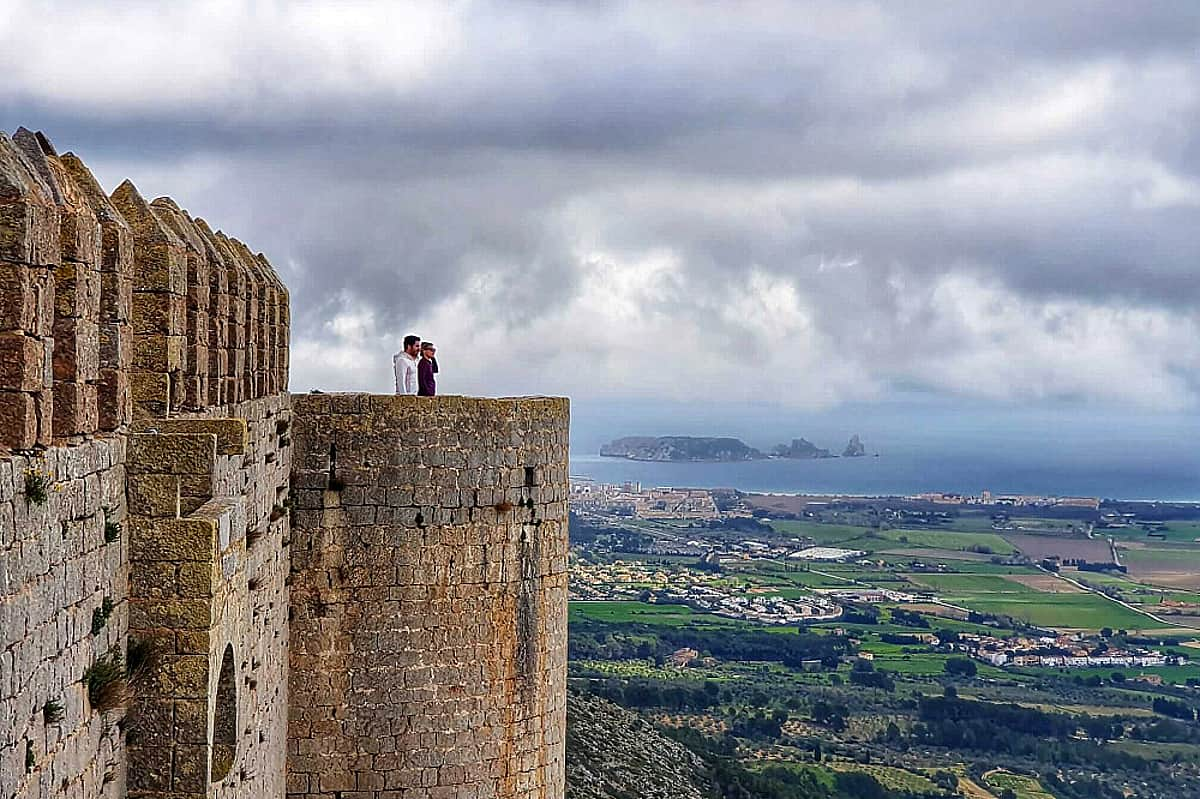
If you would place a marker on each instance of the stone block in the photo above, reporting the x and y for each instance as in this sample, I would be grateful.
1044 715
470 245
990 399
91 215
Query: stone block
76 350
150 392
232 434
18 299
153 580
18 420
191 769
195 642
153 494
76 290
191 722
116 296
113 398
160 267
172 539
79 234
174 614
29 232
22 362
155 353
150 769
159 313
76 411
115 343
43 289
196 580
172 453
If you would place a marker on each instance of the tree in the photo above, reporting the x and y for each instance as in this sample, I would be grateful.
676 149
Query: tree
960 667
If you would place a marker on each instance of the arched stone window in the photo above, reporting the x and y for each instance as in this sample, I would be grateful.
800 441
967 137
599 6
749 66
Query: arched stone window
224 748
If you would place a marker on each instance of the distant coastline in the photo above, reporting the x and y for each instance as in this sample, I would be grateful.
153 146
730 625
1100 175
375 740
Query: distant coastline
907 473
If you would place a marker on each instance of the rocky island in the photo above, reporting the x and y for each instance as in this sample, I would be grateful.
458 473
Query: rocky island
680 448
696 449
801 448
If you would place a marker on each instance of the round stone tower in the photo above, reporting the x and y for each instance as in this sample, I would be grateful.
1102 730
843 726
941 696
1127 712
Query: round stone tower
428 597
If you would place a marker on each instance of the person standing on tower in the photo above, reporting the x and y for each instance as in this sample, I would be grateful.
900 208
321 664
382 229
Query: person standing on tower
405 365
426 369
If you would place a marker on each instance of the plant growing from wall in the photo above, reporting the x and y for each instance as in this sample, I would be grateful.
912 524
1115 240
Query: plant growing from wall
52 711
101 614
112 527
141 660
37 485
30 760
107 682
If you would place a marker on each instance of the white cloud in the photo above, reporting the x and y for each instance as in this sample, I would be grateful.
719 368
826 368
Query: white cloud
811 202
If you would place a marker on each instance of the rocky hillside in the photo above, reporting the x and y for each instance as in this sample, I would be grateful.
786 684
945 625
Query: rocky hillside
614 754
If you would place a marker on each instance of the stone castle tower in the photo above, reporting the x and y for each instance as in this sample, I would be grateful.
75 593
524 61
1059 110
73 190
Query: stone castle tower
210 588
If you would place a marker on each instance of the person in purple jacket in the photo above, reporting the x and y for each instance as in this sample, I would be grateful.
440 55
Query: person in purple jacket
426 369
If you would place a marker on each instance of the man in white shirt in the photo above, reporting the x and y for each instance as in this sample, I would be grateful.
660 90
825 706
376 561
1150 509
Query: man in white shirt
405 365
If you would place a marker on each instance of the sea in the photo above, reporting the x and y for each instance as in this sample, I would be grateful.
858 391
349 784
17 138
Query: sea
1150 457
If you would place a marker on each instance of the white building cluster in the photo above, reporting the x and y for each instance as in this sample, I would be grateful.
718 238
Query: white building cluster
1063 651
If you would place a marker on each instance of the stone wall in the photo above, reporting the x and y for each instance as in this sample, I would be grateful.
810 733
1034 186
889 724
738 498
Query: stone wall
150 645
63 607
429 598
144 464
209 530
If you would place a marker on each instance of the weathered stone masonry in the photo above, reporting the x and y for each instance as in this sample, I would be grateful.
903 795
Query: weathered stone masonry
135 471
147 499
429 603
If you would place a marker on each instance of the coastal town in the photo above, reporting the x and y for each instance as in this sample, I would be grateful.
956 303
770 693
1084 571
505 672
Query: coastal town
665 502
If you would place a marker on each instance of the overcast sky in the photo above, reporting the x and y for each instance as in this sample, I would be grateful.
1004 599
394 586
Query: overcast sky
817 203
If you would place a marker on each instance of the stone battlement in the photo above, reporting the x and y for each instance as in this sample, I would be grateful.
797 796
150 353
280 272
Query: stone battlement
115 308
210 588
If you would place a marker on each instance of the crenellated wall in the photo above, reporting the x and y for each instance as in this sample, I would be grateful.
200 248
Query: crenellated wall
144 465
165 633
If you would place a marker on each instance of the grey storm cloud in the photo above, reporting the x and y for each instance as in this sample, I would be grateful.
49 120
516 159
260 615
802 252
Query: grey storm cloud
981 199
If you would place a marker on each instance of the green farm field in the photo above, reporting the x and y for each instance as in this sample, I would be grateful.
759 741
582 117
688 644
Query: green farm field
823 534
997 595
1023 787
1180 554
1175 531
641 612
951 540
633 612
